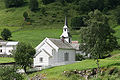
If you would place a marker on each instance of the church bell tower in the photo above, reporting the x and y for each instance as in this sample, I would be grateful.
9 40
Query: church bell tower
66 34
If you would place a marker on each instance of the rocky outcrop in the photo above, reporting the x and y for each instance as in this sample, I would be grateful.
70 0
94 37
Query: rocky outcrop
85 73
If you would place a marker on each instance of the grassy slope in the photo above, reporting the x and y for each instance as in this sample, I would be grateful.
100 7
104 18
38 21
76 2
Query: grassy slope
13 19
35 36
56 72
6 60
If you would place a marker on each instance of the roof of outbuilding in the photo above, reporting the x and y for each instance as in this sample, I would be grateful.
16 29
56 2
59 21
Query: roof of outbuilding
59 43
12 43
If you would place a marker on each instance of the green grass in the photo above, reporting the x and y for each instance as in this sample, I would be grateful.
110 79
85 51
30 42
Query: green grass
56 72
6 60
35 36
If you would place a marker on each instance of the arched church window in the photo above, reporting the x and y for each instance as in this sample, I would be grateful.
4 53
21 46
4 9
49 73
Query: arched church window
65 29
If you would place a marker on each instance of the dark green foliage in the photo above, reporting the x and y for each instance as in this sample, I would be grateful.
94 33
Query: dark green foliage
79 57
98 36
117 15
43 11
13 3
9 73
25 15
91 5
6 34
24 55
33 5
47 1
77 22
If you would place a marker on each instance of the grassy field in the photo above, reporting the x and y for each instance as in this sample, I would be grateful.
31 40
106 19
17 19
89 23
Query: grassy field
6 60
35 35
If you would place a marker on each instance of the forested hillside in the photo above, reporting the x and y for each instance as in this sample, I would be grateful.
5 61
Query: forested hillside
51 13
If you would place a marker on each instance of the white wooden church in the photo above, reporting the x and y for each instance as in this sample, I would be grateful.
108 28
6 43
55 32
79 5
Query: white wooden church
55 52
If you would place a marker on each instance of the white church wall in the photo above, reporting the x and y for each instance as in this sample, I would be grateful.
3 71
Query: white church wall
45 61
61 55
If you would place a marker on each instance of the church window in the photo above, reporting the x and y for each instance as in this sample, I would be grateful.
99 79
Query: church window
1 50
66 56
41 59
65 29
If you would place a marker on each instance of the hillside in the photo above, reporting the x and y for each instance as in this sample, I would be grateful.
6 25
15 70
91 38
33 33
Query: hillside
55 73
48 21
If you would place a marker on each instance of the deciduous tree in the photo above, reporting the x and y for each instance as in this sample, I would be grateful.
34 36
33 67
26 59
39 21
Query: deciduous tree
97 37
24 55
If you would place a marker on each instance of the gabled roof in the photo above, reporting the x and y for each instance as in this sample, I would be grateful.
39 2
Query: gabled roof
60 44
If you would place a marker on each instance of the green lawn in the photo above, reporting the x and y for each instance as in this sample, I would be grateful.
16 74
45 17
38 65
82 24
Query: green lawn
6 60
56 72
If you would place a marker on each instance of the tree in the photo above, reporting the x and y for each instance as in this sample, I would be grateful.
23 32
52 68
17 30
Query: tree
9 73
77 22
47 1
33 5
25 15
24 55
97 37
13 3
6 34
117 14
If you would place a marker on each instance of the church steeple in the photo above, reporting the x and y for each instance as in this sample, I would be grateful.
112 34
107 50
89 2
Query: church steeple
66 33
65 21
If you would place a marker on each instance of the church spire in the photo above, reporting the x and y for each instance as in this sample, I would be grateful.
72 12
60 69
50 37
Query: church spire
66 33
66 21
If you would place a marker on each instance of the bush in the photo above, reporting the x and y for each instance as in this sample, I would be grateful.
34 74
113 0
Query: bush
9 73
33 5
13 3
6 34
79 57
25 15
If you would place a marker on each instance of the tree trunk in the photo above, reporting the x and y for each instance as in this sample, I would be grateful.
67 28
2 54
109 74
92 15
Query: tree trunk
98 64
25 69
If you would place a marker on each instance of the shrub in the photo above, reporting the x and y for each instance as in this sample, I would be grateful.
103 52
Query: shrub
79 57
25 15
33 5
13 3
9 73
6 34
